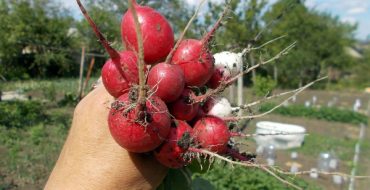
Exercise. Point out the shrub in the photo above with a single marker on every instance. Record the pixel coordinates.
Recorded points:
(263, 86)
(323, 113)
(239, 178)
(21, 114)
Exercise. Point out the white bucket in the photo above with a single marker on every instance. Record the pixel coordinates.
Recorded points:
(281, 135)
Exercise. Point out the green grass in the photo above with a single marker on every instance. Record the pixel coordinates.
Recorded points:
(49, 89)
(323, 113)
(65, 84)
(29, 153)
(224, 177)
(314, 144)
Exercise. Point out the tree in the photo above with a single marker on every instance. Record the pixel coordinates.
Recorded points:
(241, 27)
(321, 42)
(34, 39)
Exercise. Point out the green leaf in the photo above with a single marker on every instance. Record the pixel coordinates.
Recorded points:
(179, 179)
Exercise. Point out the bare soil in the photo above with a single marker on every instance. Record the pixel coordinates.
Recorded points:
(332, 129)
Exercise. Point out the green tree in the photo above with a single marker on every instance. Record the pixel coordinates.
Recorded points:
(321, 41)
(360, 73)
(34, 39)
(241, 28)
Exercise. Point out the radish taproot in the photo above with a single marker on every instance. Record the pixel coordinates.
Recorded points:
(121, 70)
(156, 31)
(182, 108)
(166, 81)
(141, 134)
(212, 134)
(172, 153)
(195, 58)
(196, 62)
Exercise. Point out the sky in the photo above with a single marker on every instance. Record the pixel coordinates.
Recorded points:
(350, 11)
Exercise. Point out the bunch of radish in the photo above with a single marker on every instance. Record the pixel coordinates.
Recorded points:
(159, 114)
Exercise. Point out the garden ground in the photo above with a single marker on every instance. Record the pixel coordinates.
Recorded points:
(29, 152)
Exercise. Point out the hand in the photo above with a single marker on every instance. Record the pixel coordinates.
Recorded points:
(91, 159)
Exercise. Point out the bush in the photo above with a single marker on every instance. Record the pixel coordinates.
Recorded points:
(263, 86)
(239, 178)
(324, 113)
(21, 114)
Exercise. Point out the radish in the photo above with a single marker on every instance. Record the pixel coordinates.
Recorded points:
(232, 63)
(195, 60)
(119, 72)
(212, 133)
(200, 114)
(157, 33)
(183, 109)
(228, 65)
(216, 78)
(167, 81)
(117, 81)
(141, 134)
(217, 106)
(172, 153)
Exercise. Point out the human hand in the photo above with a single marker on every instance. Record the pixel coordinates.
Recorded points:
(91, 159)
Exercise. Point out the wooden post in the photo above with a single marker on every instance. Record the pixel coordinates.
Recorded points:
(80, 83)
(91, 66)
(275, 73)
(251, 58)
(240, 94)
(231, 93)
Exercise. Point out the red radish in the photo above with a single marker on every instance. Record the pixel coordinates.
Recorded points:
(212, 133)
(217, 106)
(139, 134)
(200, 114)
(125, 63)
(172, 152)
(195, 58)
(157, 33)
(117, 81)
(196, 62)
(217, 77)
(167, 81)
(183, 109)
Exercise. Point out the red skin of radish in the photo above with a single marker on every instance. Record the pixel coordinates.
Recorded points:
(157, 33)
(134, 136)
(171, 153)
(216, 79)
(115, 83)
(212, 133)
(182, 109)
(118, 80)
(200, 114)
(167, 81)
(196, 62)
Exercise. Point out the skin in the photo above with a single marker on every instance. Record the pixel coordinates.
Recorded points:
(91, 159)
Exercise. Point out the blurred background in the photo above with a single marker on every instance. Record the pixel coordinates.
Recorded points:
(49, 58)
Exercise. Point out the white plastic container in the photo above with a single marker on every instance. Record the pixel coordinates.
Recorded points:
(281, 135)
